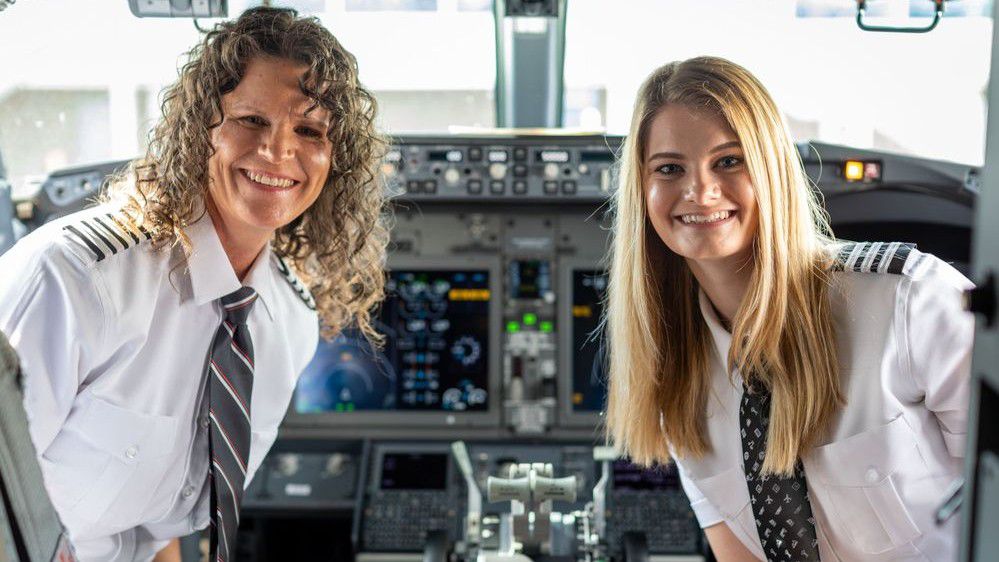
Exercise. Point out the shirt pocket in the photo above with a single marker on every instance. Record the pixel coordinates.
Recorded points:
(728, 493)
(105, 463)
(859, 480)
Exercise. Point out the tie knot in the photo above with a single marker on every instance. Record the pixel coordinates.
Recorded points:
(237, 304)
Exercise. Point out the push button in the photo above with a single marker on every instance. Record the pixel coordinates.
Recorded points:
(520, 187)
(520, 170)
(519, 154)
(551, 187)
(475, 186)
(474, 154)
(497, 187)
(569, 186)
(413, 186)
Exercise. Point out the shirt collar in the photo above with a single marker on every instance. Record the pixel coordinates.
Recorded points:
(721, 336)
(212, 276)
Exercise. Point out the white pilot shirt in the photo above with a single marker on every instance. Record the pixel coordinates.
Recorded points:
(904, 346)
(114, 353)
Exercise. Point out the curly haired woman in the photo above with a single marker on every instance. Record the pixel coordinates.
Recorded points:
(162, 332)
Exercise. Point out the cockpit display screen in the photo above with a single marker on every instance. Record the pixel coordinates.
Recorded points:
(414, 471)
(589, 361)
(629, 476)
(435, 357)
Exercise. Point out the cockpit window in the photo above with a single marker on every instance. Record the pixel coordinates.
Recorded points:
(918, 94)
(89, 93)
(80, 84)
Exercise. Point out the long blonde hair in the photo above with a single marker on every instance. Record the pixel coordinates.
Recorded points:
(337, 246)
(782, 334)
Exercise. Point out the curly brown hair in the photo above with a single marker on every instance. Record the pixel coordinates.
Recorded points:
(337, 246)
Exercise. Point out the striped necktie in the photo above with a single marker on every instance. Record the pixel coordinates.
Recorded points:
(230, 384)
(780, 505)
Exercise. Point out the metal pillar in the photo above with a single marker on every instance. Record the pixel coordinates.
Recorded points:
(530, 58)
(979, 541)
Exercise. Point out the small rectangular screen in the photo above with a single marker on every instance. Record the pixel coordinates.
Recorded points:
(628, 476)
(497, 156)
(445, 156)
(589, 369)
(590, 156)
(556, 156)
(435, 357)
(414, 471)
(530, 279)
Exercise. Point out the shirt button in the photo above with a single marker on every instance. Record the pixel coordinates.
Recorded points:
(188, 491)
(872, 475)
(204, 422)
(132, 451)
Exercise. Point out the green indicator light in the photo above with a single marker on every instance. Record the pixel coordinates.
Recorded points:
(339, 407)
(530, 319)
(350, 407)
(512, 327)
(546, 326)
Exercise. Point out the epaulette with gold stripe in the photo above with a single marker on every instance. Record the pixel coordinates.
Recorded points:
(296, 283)
(873, 257)
(106, 234)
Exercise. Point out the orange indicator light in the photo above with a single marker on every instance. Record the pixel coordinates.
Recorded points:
(853, 170)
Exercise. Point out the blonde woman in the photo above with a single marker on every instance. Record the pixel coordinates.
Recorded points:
(812, 393)
(162, 333)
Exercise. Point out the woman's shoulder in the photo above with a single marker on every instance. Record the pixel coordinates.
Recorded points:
(91, 238)
(291, 282)
(894, 261)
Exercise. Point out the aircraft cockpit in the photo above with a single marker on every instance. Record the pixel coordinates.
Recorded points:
(476, 432)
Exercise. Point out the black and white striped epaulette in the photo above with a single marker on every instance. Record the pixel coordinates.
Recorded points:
(105, 234)
(296, 283)
(873, 257)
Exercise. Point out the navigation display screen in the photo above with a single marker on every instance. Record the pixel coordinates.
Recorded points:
(628, 476)
(435, 357)
(589, 361)
(414, 471)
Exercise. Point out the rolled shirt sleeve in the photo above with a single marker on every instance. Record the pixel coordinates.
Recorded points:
(707, 514)
(939, 334)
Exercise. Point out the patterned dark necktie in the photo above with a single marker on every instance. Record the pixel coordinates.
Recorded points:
(780, 505)
(230, 383)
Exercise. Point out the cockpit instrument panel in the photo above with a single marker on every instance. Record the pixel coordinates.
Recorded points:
(583, 342)
(438, 357)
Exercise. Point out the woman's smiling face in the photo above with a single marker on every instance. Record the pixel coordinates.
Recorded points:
(698, 192)
(272, 156)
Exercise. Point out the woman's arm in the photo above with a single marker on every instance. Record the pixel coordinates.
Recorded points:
(725, 545)
(170, 552)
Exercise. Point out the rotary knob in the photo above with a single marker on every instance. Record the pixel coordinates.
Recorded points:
(288, 464)
(497, 170)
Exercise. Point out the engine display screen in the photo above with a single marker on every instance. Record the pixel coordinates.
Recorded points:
(628, 476)
(589, 361)
(530, 279)
(414, 471)
(435, 357)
